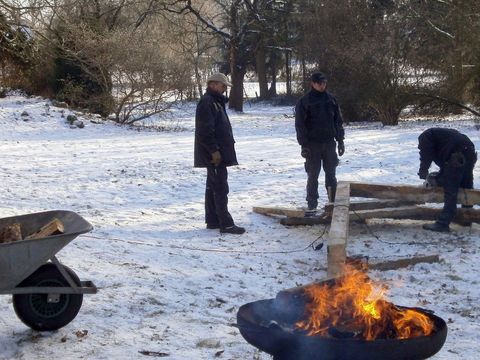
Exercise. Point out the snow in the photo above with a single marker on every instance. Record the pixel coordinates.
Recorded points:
(168, 285)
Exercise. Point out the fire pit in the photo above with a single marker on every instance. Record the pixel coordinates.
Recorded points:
(323, 321)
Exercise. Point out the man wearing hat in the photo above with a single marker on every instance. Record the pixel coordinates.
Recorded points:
(319, 126)
(214, 150)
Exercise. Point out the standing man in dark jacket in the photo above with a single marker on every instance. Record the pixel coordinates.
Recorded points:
(319, 123)
(214, 150)
(455, 155)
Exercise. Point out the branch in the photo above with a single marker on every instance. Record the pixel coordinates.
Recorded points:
(450, 101)
(440, 30)
(186, 8)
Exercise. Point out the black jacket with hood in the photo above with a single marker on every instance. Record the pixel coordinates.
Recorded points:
(318, 118)
(438, 144)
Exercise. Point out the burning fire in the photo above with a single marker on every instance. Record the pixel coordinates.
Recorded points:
(356, 306)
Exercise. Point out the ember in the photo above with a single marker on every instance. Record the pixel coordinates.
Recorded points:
(356, 306)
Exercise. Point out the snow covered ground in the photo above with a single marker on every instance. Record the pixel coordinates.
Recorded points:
(162, 286)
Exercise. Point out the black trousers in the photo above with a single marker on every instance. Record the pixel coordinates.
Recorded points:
(452, 178)
(321, 154)
(216, 197)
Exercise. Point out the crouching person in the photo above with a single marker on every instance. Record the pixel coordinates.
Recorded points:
(455, 155)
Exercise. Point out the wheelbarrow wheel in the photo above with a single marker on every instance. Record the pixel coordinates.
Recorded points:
(36, 312)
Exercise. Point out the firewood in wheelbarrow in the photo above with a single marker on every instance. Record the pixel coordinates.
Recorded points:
(11, 233)
(54, 227)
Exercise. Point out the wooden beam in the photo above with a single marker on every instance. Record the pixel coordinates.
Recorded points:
(401, 263)
(372, 204)
(462, 216)
(415, 213)
(307, 220)
(338, 234)
(275, 210)
(416, 194)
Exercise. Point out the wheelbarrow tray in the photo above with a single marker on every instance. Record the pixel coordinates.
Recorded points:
(21, 258)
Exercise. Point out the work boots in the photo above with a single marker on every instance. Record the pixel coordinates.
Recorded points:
(436, 227)
(237, 230)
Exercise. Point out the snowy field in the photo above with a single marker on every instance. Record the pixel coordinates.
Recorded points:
(168, 285)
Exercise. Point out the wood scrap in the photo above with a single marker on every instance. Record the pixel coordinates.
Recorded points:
(11, 233)
(275, 210)
(54, 227)
(401, 263)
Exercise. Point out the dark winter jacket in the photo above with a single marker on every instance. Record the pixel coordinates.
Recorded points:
(318, 118)
(438, 144)
(213, 131)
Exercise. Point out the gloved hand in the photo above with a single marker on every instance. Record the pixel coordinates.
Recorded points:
(341, 148)
(216, 158)
(305, 152)
(422, 173)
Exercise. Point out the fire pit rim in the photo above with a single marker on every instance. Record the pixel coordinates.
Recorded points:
(249, 324)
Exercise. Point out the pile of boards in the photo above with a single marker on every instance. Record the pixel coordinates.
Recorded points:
(383, 202)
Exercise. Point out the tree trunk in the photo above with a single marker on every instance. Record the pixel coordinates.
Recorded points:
(198, 79)
(236, 93)
(304, 75)
(273, 73)
(260, 60)
(236, 69)
(288, 72)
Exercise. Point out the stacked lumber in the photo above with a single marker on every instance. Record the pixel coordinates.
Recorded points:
(385, 202)
(13, 232)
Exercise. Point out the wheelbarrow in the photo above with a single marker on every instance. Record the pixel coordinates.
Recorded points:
(47, 295)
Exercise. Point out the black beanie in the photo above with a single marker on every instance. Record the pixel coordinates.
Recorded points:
(318, 77)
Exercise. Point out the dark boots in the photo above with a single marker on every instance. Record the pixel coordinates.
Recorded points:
(436, 226)
(237, 230)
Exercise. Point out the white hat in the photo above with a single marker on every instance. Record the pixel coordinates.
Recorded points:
(219, 77)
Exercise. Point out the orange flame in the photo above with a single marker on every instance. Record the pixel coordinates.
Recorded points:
(357, 304)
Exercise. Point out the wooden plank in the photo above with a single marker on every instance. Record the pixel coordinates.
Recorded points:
(52, 228)
(372, 204)
(415, 213)
(274, 210)
(306, 220)
(416, 194)
(401, 263)
(462, 216)
(338, 234)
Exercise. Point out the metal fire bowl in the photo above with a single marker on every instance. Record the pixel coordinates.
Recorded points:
(268, 327)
